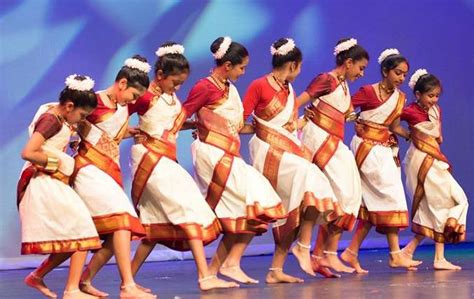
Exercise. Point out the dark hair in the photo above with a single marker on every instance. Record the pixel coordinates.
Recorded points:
(426, 83)
(391, 62)
(171, 64)
(135, 78)
(294, 55)
(80, 98)
(355, 53)
(235, 54)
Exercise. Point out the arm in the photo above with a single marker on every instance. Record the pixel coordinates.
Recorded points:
(303, 98)
(188, 125)
(397, 129)
(247, 129)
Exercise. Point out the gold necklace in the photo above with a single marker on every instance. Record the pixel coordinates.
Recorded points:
(387, 90)
(342, 82)
(219, 81)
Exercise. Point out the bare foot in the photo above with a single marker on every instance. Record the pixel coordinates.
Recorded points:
(400, 260)
(237, 274)
(142, 288)
(77, 294)
(36, 282)
(276, 275)
(350, 257)
(87, 287)
(443, 264)
(133, 292)
(302, 254)
(324, 271)
(331, 260)
(212, 282)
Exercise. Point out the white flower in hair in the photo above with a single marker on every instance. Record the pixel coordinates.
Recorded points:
(172, 49)
(138, 65)
(416, 76)
(344, 46)
(223, 48)
(284, 49)
(386, 53)
(80, 85)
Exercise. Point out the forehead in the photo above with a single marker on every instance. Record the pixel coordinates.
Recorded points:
(402, 66)
(361, 62)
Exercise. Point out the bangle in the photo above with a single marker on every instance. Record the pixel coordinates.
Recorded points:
(52, 164)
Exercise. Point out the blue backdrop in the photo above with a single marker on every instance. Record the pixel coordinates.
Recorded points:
(41, 42)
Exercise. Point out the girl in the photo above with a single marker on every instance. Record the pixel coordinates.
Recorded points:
(176, 217)
(54, 219)
(243, 200)
(98, 179)
(280, 156)
(324, 135)
(439, 208)
(376, 151)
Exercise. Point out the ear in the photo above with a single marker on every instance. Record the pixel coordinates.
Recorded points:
(160, 75)
(122, 84)
(417, 95)
(349, 63)
(384, 73)
(69, 106)
(228, 65)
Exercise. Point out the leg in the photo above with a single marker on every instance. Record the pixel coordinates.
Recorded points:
(206, 281)
(302, 250)
(35, 278)
(397, 258)
(72, 291)
(350, 255)
(222, 252)
(231, 266)
(410, 248)
(141, 254)
(440, 262)
(331, 259)
(121, 246)
(318, 251)
(275, 273)
(98, 260)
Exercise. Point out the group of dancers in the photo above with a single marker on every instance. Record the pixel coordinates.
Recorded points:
(302, 174)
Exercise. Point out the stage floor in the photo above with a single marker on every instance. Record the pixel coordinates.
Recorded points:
(177, 279)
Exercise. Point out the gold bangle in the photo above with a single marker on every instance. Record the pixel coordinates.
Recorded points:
(52, 164)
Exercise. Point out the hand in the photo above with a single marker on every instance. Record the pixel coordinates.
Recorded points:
(308, 113)
(139, 138)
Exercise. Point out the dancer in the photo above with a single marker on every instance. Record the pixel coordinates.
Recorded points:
(376, 151)
(324, 135)
(280, 156)
(54, 219)
(439, 208)
(172, 215)
(242, 198)
(98, 179)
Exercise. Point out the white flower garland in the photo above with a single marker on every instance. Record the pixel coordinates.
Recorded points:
(223, 48)
(284, 49)
(386, 53)
(173, 49)
(344, 46)
(75, 84)
(137, 64)
(416, 76)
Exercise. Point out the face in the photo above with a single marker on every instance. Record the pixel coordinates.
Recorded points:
(355, 68)
(295, 70)
(429, 98)
(170, 84)
(235, 71)
(396, 76)
(76, 114)
(127, 95)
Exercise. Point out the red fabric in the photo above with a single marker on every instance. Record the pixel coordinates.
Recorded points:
(259, 94)
(204, 92)
(141, 105)
(48, 125)
(414, 114)
(99, 111)
(322, 85)
(366, 98)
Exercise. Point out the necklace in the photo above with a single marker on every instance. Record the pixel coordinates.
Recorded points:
(112, 100)
(282, 85)
(219, 82)
(342, 82)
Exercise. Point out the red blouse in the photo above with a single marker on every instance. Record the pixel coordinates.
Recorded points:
(100, 111)
(204, 92)
(141, 105)
(366, 98)
(322, 85)
(414, 114)
(48, 125)
(259, 94)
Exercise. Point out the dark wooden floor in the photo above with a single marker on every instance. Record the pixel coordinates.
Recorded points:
(178, 280)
